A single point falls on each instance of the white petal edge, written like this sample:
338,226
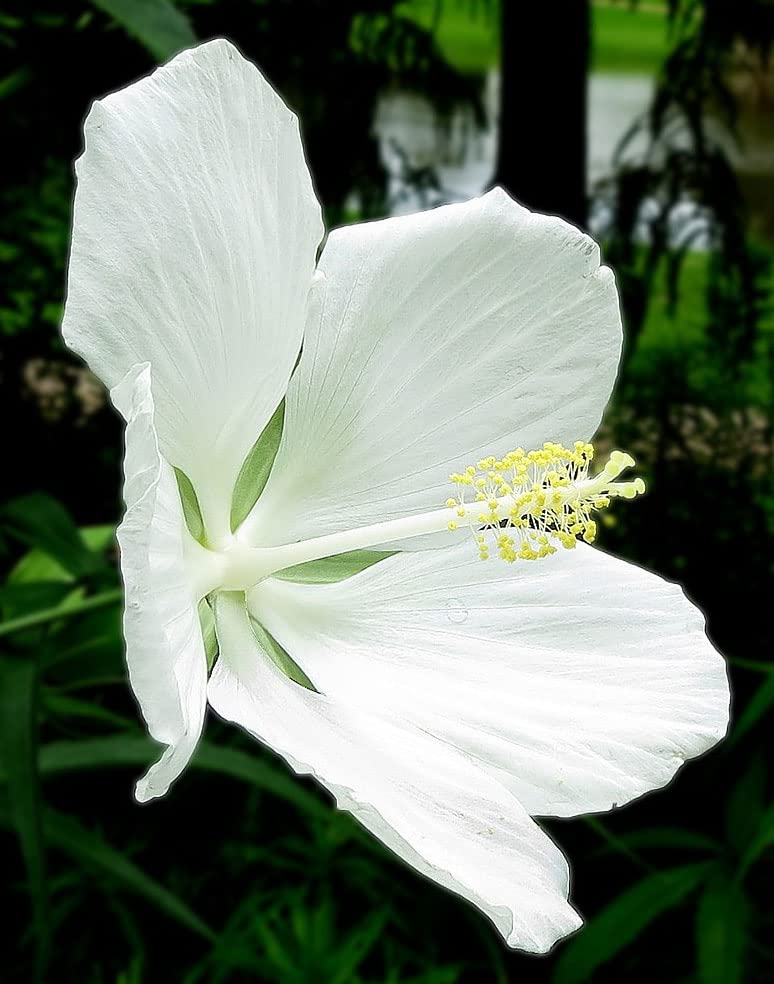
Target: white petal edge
195,233
580,681
164,647
440,337
428,803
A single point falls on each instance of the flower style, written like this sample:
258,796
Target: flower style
444,701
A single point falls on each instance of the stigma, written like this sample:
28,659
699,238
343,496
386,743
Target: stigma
527,504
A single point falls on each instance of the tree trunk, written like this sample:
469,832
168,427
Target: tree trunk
542,151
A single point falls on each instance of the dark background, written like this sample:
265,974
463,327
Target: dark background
245,873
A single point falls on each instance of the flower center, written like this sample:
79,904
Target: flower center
522,505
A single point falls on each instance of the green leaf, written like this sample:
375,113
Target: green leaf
623,920
756,666
745,805
18,741
36,565
27,598
754,710
91,643
64,706
257,466
99,538
68,609
250,769
40,521
354,949
762,840
137,751
280,657
10,84
157,24
330,569
721,931
90,849
670,838
191,509
615,842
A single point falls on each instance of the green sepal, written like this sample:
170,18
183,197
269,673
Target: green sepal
207,620
328,570
254,473
190,502
280,657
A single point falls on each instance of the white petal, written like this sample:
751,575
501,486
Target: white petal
164,647
194,244
580,681
465,331
431,805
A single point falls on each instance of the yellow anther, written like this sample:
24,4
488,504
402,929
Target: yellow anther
539,499
452,525
631,489
617,462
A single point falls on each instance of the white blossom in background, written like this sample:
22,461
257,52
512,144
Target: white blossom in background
444,700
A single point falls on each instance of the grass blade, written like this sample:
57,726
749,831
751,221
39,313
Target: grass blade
624,919
721,931
18,732
136,750
90,849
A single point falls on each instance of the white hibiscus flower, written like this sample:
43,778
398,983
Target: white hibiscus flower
444,701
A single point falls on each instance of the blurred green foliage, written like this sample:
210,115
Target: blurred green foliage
245,873
467,33
629,38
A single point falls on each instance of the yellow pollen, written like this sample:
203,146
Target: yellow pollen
539,499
